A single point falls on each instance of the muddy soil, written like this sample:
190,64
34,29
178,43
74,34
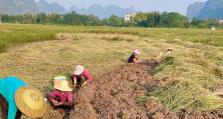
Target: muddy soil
118,95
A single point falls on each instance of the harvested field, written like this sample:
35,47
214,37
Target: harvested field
119,95
184,86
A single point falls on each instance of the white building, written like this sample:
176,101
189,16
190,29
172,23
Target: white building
213,28
129,16
220,21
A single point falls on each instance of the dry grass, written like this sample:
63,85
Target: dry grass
197,68
37,63
196,77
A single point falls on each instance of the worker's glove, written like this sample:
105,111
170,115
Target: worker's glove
85,83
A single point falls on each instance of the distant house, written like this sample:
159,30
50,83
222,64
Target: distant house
220,21
129,16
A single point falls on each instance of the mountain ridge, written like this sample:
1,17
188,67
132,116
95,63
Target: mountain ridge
45,7
103,12
15,7
194,9
212,9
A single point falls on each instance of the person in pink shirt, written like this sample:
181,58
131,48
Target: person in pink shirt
62,97
81,76
134,58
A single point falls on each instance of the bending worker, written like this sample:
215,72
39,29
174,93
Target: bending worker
61,97
81,76
18,95
134,58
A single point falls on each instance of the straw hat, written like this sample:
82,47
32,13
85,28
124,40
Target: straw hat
64,86
136,51
78,70
30,102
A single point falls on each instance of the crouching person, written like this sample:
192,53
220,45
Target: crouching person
81,76
134,58
18,98
62,97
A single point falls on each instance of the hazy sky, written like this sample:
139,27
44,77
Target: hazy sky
139,5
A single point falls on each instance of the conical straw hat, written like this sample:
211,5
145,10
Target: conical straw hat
30,102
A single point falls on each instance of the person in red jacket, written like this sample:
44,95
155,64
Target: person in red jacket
81,76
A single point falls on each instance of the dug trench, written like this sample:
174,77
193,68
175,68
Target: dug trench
119,93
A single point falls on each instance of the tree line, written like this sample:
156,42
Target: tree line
150,19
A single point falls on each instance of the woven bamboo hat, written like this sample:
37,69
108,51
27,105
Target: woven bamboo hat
30,102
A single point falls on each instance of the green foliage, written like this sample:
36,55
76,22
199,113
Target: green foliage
41,18
116,21
204,23
173,20
151,19
155,19
143,23
13,34
28,34
2,46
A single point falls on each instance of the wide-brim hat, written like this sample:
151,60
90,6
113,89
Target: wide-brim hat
63,86
136,51
79,69
30,102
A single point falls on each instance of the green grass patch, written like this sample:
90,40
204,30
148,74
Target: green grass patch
13,34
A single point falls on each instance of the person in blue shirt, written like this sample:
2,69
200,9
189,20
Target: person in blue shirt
8,87
20,97
4,109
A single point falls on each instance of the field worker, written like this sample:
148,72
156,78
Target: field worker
134,58
81,76
18,95
62,97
